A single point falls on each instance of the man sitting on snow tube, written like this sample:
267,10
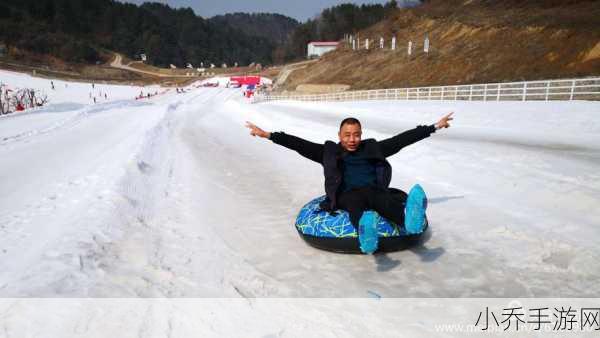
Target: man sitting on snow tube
357,176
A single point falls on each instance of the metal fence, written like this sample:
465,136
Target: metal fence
565,90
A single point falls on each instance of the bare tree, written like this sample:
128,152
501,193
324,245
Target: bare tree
23,98
35,98
3,100
42,99
29,98
18,99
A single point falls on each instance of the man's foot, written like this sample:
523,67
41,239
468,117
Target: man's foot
414,216
367,232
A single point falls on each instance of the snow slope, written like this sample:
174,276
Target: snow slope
171,197
73,92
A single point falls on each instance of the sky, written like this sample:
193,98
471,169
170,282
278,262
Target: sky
300,10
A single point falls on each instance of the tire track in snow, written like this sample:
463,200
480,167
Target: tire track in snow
162,251
133,260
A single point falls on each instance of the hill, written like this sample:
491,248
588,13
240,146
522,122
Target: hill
474,41
274,27
333,23
85,30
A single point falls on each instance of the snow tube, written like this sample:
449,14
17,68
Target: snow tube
335,232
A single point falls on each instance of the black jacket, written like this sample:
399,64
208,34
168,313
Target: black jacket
330,156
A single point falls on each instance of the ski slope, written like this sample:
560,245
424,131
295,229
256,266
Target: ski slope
170,197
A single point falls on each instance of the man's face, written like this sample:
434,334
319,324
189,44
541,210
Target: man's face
350,136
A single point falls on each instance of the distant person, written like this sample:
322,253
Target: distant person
52,84
357,174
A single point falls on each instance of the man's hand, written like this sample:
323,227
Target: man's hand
256,131
443,122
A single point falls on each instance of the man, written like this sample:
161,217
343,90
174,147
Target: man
357,176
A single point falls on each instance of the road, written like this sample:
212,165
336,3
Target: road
118,63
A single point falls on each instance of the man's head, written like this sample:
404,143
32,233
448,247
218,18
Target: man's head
350,133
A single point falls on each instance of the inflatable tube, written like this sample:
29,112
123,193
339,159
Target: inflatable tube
335,232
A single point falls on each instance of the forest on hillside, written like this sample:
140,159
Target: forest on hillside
78,30
83,30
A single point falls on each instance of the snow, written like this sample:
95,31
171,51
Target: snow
170,197
73,92
223,81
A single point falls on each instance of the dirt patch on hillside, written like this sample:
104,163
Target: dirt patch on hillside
321,88
593,54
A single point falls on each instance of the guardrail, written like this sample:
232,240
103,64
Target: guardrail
565,90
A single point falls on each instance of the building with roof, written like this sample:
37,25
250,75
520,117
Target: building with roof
317,48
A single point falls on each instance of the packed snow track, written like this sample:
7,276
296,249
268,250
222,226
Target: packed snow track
170,196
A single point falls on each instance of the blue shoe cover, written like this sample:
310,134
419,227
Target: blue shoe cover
416,204
367,232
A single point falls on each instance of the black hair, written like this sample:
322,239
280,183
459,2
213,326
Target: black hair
350,120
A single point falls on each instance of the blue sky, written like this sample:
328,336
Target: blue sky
300,10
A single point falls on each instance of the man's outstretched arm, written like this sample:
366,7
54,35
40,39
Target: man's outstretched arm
393,145
310,150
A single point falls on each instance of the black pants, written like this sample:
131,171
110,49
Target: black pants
389,204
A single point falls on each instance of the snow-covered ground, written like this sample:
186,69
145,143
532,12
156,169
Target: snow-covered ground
74,93
171,197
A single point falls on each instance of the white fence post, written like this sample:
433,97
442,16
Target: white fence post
485,92
547,89
524,91
471,93
498,92
572,90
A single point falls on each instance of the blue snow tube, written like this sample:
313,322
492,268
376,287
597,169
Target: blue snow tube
335,233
